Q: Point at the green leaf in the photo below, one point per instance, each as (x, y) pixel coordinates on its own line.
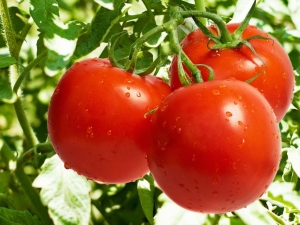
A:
(64, 192)
(59, 38)
(103, 21)
(256, 213)
(7, 61)
(16, 217)
(283, 195)
(146, 191)
(6, 93)
(144, 61)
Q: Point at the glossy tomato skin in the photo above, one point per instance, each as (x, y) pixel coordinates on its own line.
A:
(276, 80)
(96, 120)
(216, 146)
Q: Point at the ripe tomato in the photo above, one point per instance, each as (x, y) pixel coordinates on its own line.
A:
(216, 146)
(96, 120)
(276, 80)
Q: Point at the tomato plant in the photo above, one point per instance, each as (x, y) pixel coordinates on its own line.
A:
(211, 141)
(271, 63)
(41, 39)
(97, 122)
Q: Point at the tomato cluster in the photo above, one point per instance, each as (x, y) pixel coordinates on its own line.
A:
(212, 147)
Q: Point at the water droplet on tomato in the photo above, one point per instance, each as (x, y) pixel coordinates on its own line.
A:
(235, 102)
(56, 91)
(179, 130)
(89, 129)
(108, 132)
(242, 144)
(163, 108)
(215, 92)
(138, 94)
(240, 98)
(228, 114)
(164, 123)
(227, 120)
(245, 128)
(274, 169)
(215, 194)
(284, 75)
(240, 123)
(222, 86)
(127, 95)
(181, 185)
(194, 157)
(177, 119)
(234, 166)
(129, 81)
(128, 88)
(215, 180)
(67, 166)
(276, 136)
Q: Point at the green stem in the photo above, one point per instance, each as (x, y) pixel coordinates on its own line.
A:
(225, 34)
(42, 148)
(185, 59)
(148, 7)
(142, 15)
(23, 34)
(200, 6)
(9, 34)
(20, 79)
(137, 45)
(28, 132)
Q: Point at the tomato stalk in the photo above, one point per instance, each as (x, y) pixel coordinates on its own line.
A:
(200, 6)
(27, 69)
(225, 36)
(135, 47)
(175, 45)
(9, 34)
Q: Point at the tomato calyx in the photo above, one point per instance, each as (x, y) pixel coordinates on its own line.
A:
(225, 40)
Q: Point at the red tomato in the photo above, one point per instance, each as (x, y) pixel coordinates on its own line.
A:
(96, 120)
(276, 81)
(216, 146)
